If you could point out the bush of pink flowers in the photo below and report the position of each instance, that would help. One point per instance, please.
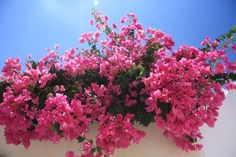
(131, 76)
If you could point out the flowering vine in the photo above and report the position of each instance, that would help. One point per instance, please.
(132, 76)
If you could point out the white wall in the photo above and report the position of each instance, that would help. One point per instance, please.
(153, 145)
(219, 141)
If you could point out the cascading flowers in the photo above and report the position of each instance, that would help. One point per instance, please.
(131, 76)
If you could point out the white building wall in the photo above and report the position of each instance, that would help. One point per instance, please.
(219, 141)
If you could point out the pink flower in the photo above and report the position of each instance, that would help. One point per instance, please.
(81, 40)
(57, 47)
(29, 57)
(44, 79)
(91, 22)
(114, 25)
(132, 74)
(214, 44)
(234, 47)
(70, 154)
(116, 132)
(220, 68)
(205, 41)
(96, 36)
(87, 146)
(123, 19)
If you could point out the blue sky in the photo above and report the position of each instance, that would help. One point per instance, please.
(30, 26)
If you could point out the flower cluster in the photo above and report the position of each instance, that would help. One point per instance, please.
(130, 77)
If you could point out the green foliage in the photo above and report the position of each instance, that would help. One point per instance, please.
(222, 39)
(134, 74)
(3, 86)
(41, 93)
(230, 35)
(148, 58)
(131, 33)
(141, 115)
(33, 64)
(56, 128)
(138, 110)
(206, 48)
(116, 108)
(80, 139)
(165, 109)
(190, 139)
(223, 77)
(96, 150)
(33, 125)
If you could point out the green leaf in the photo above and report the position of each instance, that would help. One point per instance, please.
(234, 28)
(93, 150)
(131, 33)
(115, 109)
(99, 149)
(165, 109)
(56, 128)
(33, 64)
(223, 78)
(80, 139)
(3, 86)
(156, 46)
(190, 139)
(33, 125)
